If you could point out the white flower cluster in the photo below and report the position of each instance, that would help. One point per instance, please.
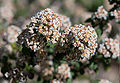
(56, 81)
(49, 69)
(7, 10)
(16, 73)
(110, 47)
(46, 67)
(116, 14)
(101, 13)
(65, 28)
(104, 81)
(85, 39)
(6, 13)
(50, 24)
(55, 28)
(66, 24)
(12, 33)
(64, 71)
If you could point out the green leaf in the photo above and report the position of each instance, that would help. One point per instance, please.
(14, 46)
(93, 66)
(17, 81)
(41, 81)
(94, 81)
(99, 32)
(119, 60)
(28, 67)
(72, 73)
(99, 56)
(27, 26)
(52, 45)
(51, 50)
(48, 43)
(77, 65)
(69, 80)
(107, 60)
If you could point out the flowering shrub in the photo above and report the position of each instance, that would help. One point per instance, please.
(52, 50)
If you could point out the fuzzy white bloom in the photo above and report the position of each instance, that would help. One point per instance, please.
(48, 23)
(12, 33)
(7, 10)
(6, 13)
(110, 48)
(101, 13)
(104, 81)
(65, 22)
(49, 69)
(64, 71)
(116, 14)
(56, 81)
(85, 39)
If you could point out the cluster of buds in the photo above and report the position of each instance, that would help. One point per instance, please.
(116, 14)
(16, 75)
(109, 48)
(84, 38)
(101, 13)
(64, 71)
(104, 81)
(49, 69)
(12, 33)
(57, 81)
(45, 68)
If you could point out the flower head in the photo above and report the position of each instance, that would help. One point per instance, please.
(56, 81)
(101, 13)
(84, 38)
(12, 33)
(48, 24)
(104, 81)
(116, 14)
(64, 71)
(52, 26)
(109, 48)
